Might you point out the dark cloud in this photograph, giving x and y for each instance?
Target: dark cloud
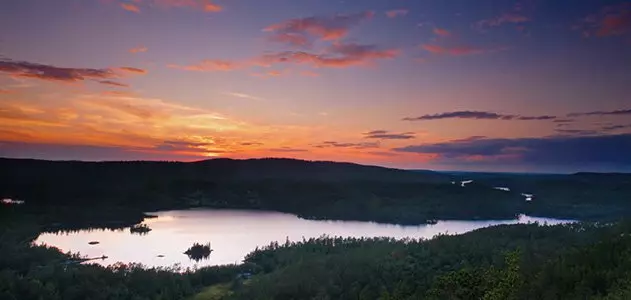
(578, 131)
(287, 149)
(563, 121)
(620, 112)
(615, 127)
(386, 135)
(251, 144)
(133, 70)
(185, 146)
(477, 115)
(332, 144)
(114, 83)
(609, 150)
(49, 72)
(376, 132)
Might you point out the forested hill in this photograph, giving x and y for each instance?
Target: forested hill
(321, 190)
(221, 169)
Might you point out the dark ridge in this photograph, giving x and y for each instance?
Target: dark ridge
(225, 169)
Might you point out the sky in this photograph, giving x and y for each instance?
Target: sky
(485, 85)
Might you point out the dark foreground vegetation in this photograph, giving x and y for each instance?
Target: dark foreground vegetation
(578, 261)
(317, 190)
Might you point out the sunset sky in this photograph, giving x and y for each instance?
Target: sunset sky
(492, 85)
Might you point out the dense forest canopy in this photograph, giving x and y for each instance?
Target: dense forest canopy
(574, 261)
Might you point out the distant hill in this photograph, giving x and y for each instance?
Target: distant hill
(221, 169)
(312, 189)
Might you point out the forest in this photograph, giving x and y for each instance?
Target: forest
(530, 261)
(589, 259)
(316, 190)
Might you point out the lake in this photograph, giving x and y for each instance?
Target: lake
(233, 234)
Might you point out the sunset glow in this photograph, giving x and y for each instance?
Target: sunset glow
(476, 85)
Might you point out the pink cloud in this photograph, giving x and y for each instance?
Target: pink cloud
(323, 28)
(209, 65)
(442, 32)
(291, 39)
(396, 13)
(339, 56)
(458, 50)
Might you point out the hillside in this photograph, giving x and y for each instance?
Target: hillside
(317, 190)
(326, 190)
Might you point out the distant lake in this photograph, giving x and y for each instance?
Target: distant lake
(235, 233)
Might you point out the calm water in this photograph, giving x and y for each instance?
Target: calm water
(233, 234)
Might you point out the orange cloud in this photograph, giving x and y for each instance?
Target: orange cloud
(130, 7)
(139, 49)
(6, 91)
(396, 12)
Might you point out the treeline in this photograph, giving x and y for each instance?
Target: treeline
(318, 190)
(35, 272)
(577, 261)
(574, 261)
(310, 189)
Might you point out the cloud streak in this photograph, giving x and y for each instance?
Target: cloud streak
(52, 73)
(386, 135)
(620, 112)
(478, 115)
(577, 151)
(113, 83)
(201, 5)
(333, 144)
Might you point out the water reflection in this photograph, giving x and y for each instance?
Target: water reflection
(233, 234)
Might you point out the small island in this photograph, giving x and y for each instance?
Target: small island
(198, 251)
(140, 229)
